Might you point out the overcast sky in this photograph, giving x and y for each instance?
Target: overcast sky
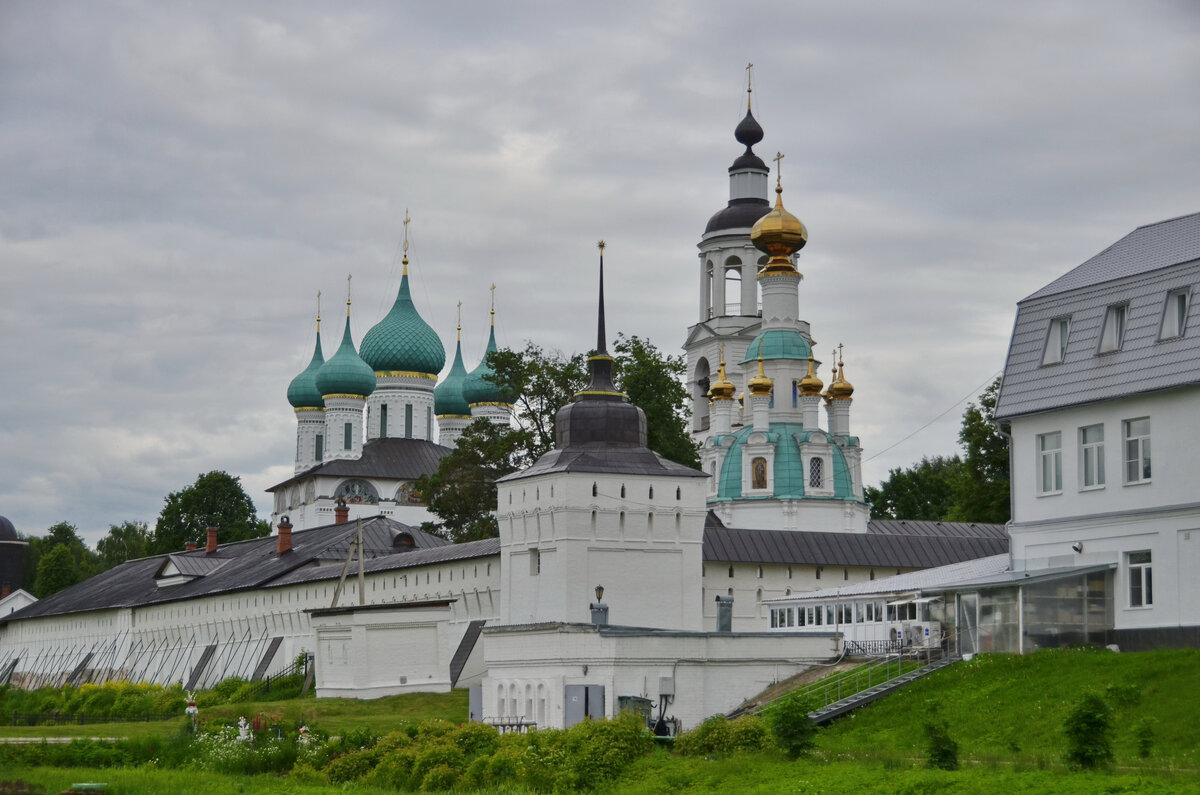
(178, 180)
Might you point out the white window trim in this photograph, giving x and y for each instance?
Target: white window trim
(1144, 569)
(1055, 349)
(1098, 449)
(1116, 323)
(1143, 444)
(1175, 333)
(750, 452)
(1053, 454)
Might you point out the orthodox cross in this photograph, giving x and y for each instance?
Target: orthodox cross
(749, 87)
(778, 169)
(318, 311)
(493, 303)
(348, 278)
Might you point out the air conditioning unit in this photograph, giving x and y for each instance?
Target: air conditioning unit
(924, 634)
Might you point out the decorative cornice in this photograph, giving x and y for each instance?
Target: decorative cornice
(309, 408)
(344, 395)
(405, 374)
(493, 403)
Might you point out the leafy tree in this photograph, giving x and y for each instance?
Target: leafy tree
(654, 383)
(215, 499)
(62, 534)
(925, 491)
(462, 492)
(56, 570)
(794, 731)
(540, 382)
(125, 541)
(1089, 732)
(982, 493)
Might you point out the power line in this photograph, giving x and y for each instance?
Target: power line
(960, 401)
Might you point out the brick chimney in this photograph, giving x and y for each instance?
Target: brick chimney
(188, 546)
(285, 536)
(341, 513)
(5, 591)
(211, 546)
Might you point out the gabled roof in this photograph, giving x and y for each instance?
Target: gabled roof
(1139, 271)
(398, 459)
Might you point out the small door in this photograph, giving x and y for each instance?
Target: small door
(582, 701)
(968, 623)
(475, 702)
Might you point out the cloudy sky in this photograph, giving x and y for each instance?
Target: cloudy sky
(178, 180)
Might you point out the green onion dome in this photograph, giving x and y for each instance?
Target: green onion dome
(779, 343)
(403, 341)
(345, 373)
(302, 393)
(448, 398)
(476, 388)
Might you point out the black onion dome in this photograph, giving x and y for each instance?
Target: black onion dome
(748, 160)
(740, 214)
(748, 131)
(589, 420)
(7, 531)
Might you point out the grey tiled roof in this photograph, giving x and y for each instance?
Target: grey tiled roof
(604, 459)
(1140, 270)
(942, 576)
(400, 459)
(919, 527)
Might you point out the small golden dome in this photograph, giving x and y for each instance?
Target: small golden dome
(841, 389)
(810, 384)
(760, 385)
(722, 388)
(779, 234)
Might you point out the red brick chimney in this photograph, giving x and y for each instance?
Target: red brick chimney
(285, 536)
(5, 591)
(341, 513)
(188, 546)
(211, 546)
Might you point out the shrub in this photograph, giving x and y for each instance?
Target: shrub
(476, 739)
(434, 755)
(362, 737)
(598, 751)
(434, 727)
(1143, 736)
(1088, 728)
(1123, 695)
(393, 740)
(710, 737)
(442, 777)
(304, 773)
(941, 751)
(794, 731)
(394, 770)
(352, 766)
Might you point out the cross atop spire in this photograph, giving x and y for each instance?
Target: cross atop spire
(349, 276)
(749, 85)
(493, 304)
(778, 169)
(460, 321)
(318, 311)
(601, 347)
(404, 261)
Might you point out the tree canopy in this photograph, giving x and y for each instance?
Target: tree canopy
(973, 488)
(125, 541)
(84, 562)
(215, 499)
(56, 570)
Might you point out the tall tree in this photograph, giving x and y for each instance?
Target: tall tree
(123, 542)
(56, 570)
(982, 493)
(654, 383)
(462, 492)
(215, 499)
(63, 534)
(539, 382)
(924, 491)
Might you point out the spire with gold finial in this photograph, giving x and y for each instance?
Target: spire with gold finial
(811, 384)
(760, 384)
(404, 259)
(722, 388)
(779, 233)
(841, 389)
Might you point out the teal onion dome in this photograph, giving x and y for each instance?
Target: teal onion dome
(302, 393)
(403, 341)
(779, 343)
(476, 388)
(448, 398)
(345, 373)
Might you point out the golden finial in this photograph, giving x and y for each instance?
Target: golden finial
(760, 384)
(841, 389)
(601, 246)
(460, 321)
(778, 233)
(722, 388)
(811, 384)
(778, 171)
(348, 278)
(493, 303)
(404, 261)
(749, 87)
(318, 311)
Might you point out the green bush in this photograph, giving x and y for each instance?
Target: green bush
(304, 773)
(352, 766)
(1123, 695)
(393, 740)
(597, 751)
(439, 779)
(1143, 736)
(476, 739)
(794, 731)
(394, 770)
(941, 751)
(1088, 728)
(436, 754)
(434, 727)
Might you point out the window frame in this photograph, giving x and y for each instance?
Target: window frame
(1057, 348)
(1112, 332)
(1179, 321)
(1051, 456)
(1091, 458)
(1141, 585)
(1144, 457)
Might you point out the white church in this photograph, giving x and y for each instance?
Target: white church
(617, 575)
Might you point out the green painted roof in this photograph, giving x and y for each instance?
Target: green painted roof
(789, 471)
(448, 396)
(302, 393)
(779, 343)
(477, 389)
(345, 373)
(403, 340)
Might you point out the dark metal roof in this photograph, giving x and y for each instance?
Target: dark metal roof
(602, 458)
(400, 459)
(463, 652)
(918, 527)
(902, 550)
(243, 565)
(740, 214)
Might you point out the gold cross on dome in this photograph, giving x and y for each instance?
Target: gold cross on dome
(778, 168)
(749, 86)
(406, 221)
(318, 306)
(348, 278)
(601, 246)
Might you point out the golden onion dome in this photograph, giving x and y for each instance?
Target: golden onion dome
(841, 389)
(778, 234)
(722, 388)
(811, 384)
(760, 385)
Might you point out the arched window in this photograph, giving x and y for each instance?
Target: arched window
(816, 477)
(733, 287)
(651, 494)
(759, 468)
(595, 491)
(622, 491)
(357, 492)
(678, 493)
(701, 383)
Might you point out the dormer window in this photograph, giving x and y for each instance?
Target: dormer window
(1056, 340)
(1175, 314)
(1113, 334)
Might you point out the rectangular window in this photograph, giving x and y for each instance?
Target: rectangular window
(320, 453)
(1050, 462)
(1091, 456)
(535, 562)
(1056, 340)
(1175, 314)
(1141, 581)
(383, 421)
(347, 436)
(1114, 328)
(429, 423)
(407, 420)
(1137, 450)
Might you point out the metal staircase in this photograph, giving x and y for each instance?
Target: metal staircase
(933, 661)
